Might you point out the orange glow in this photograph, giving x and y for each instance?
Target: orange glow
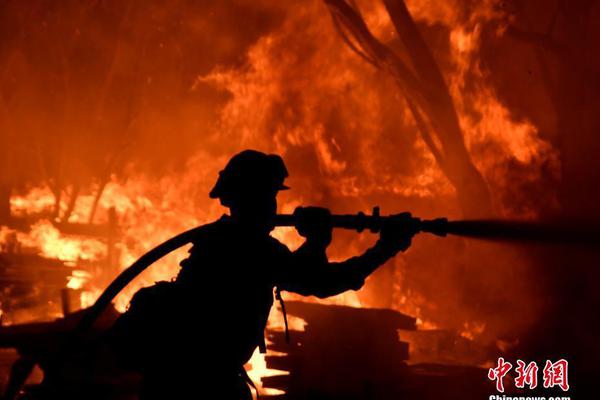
(343, 129)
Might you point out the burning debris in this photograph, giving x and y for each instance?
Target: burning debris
(43, 261)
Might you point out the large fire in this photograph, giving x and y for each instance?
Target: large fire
(292, 87)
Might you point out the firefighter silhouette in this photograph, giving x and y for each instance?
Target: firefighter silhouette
(191, 337)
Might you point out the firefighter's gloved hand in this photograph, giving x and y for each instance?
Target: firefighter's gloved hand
(314, 224)
(397, 232)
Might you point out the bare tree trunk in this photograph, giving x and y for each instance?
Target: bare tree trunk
(75, 189)
(426, 93)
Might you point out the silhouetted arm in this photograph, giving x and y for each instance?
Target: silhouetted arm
(308, 272)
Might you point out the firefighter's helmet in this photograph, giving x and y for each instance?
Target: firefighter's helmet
(247, 172)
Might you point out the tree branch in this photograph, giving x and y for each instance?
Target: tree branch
(427, 96)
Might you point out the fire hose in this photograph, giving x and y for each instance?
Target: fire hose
(498, 230)
(358, 222)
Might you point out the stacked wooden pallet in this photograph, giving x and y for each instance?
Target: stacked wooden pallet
(356, 353)
(343, 352)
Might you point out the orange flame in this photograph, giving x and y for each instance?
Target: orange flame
(350, 144)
